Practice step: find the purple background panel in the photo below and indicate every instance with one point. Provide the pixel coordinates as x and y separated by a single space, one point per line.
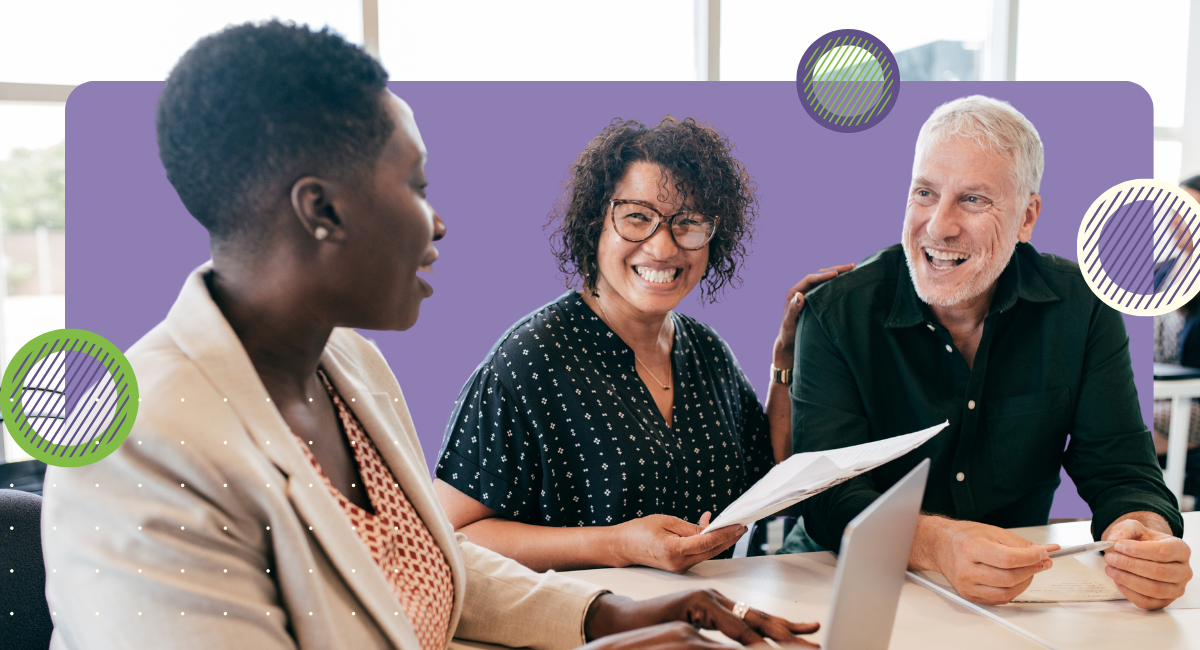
498 153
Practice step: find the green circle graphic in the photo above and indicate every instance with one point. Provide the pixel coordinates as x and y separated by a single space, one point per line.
69 397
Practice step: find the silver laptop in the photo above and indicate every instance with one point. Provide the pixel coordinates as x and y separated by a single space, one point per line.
871 566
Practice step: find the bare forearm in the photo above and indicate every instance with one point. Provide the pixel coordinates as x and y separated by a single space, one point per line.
931 530
779 409
779 417
1151 520
779 402
542 548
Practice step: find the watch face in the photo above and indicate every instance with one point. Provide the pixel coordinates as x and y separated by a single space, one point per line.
69 398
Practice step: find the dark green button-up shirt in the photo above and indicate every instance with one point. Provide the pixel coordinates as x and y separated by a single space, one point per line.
1051 387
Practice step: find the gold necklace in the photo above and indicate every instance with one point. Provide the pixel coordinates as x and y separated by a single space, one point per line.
635 356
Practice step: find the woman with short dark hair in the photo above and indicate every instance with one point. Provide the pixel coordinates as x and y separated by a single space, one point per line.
271 494
603 423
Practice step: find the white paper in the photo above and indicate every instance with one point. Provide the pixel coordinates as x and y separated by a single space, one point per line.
808 474
1069 581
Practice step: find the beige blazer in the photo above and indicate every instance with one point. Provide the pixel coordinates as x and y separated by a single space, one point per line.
209 528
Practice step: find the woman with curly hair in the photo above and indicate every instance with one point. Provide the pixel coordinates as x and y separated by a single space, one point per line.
603 423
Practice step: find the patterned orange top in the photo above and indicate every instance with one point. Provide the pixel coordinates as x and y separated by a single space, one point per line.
399 542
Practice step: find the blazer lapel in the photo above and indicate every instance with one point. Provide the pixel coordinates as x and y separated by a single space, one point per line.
349 555
200 330
381 409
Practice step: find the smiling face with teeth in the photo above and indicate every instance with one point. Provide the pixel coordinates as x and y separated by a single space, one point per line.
648 277
965 216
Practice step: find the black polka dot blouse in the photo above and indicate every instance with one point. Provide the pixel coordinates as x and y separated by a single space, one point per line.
556 428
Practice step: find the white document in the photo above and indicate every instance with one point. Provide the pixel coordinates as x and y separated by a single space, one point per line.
1069 581
808 474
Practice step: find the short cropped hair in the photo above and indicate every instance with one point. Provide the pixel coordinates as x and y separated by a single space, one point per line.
991 123
700 161
251 109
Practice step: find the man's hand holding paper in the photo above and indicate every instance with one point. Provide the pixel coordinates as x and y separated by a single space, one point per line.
985 564
1151 568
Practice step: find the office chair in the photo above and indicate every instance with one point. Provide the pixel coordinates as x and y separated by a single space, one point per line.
25 475
25 622
758 534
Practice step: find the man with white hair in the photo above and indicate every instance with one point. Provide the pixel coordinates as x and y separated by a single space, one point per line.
965 321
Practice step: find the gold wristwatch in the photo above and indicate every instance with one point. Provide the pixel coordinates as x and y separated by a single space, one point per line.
781 376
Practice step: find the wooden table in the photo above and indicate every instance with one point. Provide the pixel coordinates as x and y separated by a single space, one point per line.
1127 627
799 587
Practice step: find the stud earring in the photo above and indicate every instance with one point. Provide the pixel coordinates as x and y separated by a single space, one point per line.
320 233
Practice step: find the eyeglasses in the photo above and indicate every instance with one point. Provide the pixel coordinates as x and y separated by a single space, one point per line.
635 221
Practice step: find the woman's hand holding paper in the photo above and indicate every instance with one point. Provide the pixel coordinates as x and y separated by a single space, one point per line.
670 543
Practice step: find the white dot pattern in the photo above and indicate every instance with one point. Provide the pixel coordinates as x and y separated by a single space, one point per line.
556 428
401 545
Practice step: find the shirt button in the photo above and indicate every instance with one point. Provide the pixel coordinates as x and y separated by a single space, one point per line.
949 349
961 476
930 326
970 405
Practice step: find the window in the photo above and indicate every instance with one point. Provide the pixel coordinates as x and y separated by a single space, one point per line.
1168 161
139 39
624 40
763 40
1147 45
32 243
1101 40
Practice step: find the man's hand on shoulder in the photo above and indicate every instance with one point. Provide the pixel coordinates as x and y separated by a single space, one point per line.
985 564
1149 565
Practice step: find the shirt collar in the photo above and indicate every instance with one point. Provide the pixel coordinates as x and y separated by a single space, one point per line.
1019 280
606 339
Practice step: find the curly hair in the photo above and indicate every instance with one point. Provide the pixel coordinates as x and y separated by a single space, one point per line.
248 110
696 156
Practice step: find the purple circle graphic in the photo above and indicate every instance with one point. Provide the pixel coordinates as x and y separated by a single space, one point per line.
1138 247
848 81
1126 247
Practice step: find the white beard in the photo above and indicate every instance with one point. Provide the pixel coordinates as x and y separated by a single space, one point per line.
975 286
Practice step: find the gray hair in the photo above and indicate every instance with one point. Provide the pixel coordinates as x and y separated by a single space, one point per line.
994 124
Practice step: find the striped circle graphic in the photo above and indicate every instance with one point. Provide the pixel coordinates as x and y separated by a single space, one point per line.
1139 247
846 81
69 398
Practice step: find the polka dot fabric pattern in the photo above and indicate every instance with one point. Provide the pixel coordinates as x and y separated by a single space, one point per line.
556 428
405 552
